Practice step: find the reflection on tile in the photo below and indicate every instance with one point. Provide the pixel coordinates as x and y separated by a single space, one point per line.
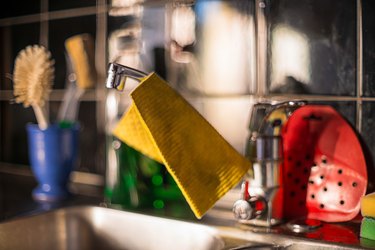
229 116
14 39
58 33
69 4
19 8
368 10
212 47
345 108
312 47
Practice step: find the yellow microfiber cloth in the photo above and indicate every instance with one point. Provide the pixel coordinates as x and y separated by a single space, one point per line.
161 124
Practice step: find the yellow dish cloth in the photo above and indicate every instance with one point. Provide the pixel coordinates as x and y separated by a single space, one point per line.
161 124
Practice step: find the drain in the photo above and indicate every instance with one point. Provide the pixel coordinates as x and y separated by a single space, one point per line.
303 225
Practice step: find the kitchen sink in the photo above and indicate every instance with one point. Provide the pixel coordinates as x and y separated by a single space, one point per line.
92 227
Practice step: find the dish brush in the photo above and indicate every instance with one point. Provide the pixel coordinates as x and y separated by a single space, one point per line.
33 76
81 74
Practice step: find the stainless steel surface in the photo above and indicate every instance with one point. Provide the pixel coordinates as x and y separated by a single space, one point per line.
303 225
268 148
264 150
258 113
264 184
91 227
73 227
118 73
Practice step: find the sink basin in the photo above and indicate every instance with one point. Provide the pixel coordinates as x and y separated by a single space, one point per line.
91 227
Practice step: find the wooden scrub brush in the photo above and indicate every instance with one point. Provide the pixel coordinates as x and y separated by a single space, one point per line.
33 77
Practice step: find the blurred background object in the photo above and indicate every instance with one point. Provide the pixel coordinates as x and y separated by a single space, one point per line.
223 56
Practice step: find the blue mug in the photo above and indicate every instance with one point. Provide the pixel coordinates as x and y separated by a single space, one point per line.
53 156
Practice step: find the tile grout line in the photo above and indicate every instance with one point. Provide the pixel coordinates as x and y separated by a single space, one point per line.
51 15
261 47
359 67
101 60
44 24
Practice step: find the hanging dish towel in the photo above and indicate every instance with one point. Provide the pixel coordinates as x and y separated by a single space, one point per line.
161 124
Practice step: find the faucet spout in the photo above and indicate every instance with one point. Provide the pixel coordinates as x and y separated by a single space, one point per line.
118 73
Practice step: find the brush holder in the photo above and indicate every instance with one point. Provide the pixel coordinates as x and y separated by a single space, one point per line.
53 156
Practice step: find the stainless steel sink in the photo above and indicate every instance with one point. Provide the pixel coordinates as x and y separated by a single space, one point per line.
91 227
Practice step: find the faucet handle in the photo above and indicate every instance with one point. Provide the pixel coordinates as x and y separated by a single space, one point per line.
243 210
249 209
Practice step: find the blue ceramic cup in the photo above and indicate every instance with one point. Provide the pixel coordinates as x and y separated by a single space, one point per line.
53 156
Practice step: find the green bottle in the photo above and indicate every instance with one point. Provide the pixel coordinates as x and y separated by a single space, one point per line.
135 181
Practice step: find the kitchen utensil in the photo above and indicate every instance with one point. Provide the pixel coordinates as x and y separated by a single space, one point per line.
81 74
324 170
32 77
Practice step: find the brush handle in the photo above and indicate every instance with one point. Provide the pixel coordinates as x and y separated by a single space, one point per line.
41 116
72 111
70 105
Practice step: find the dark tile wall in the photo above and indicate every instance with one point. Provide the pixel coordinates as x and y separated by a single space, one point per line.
20 8
368 48
316 40
368 107
327 29
346 108
69 4
58 33
13 40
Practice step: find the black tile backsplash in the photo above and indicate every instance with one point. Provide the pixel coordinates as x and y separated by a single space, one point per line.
92 139
368 48
312 47
12 40
59 31
13 132
368 138
312 50
19 8
346 108
69 4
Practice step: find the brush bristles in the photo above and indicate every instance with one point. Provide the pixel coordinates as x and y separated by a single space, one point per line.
33 76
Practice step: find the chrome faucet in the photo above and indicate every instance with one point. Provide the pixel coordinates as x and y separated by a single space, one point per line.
261 193
118 73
